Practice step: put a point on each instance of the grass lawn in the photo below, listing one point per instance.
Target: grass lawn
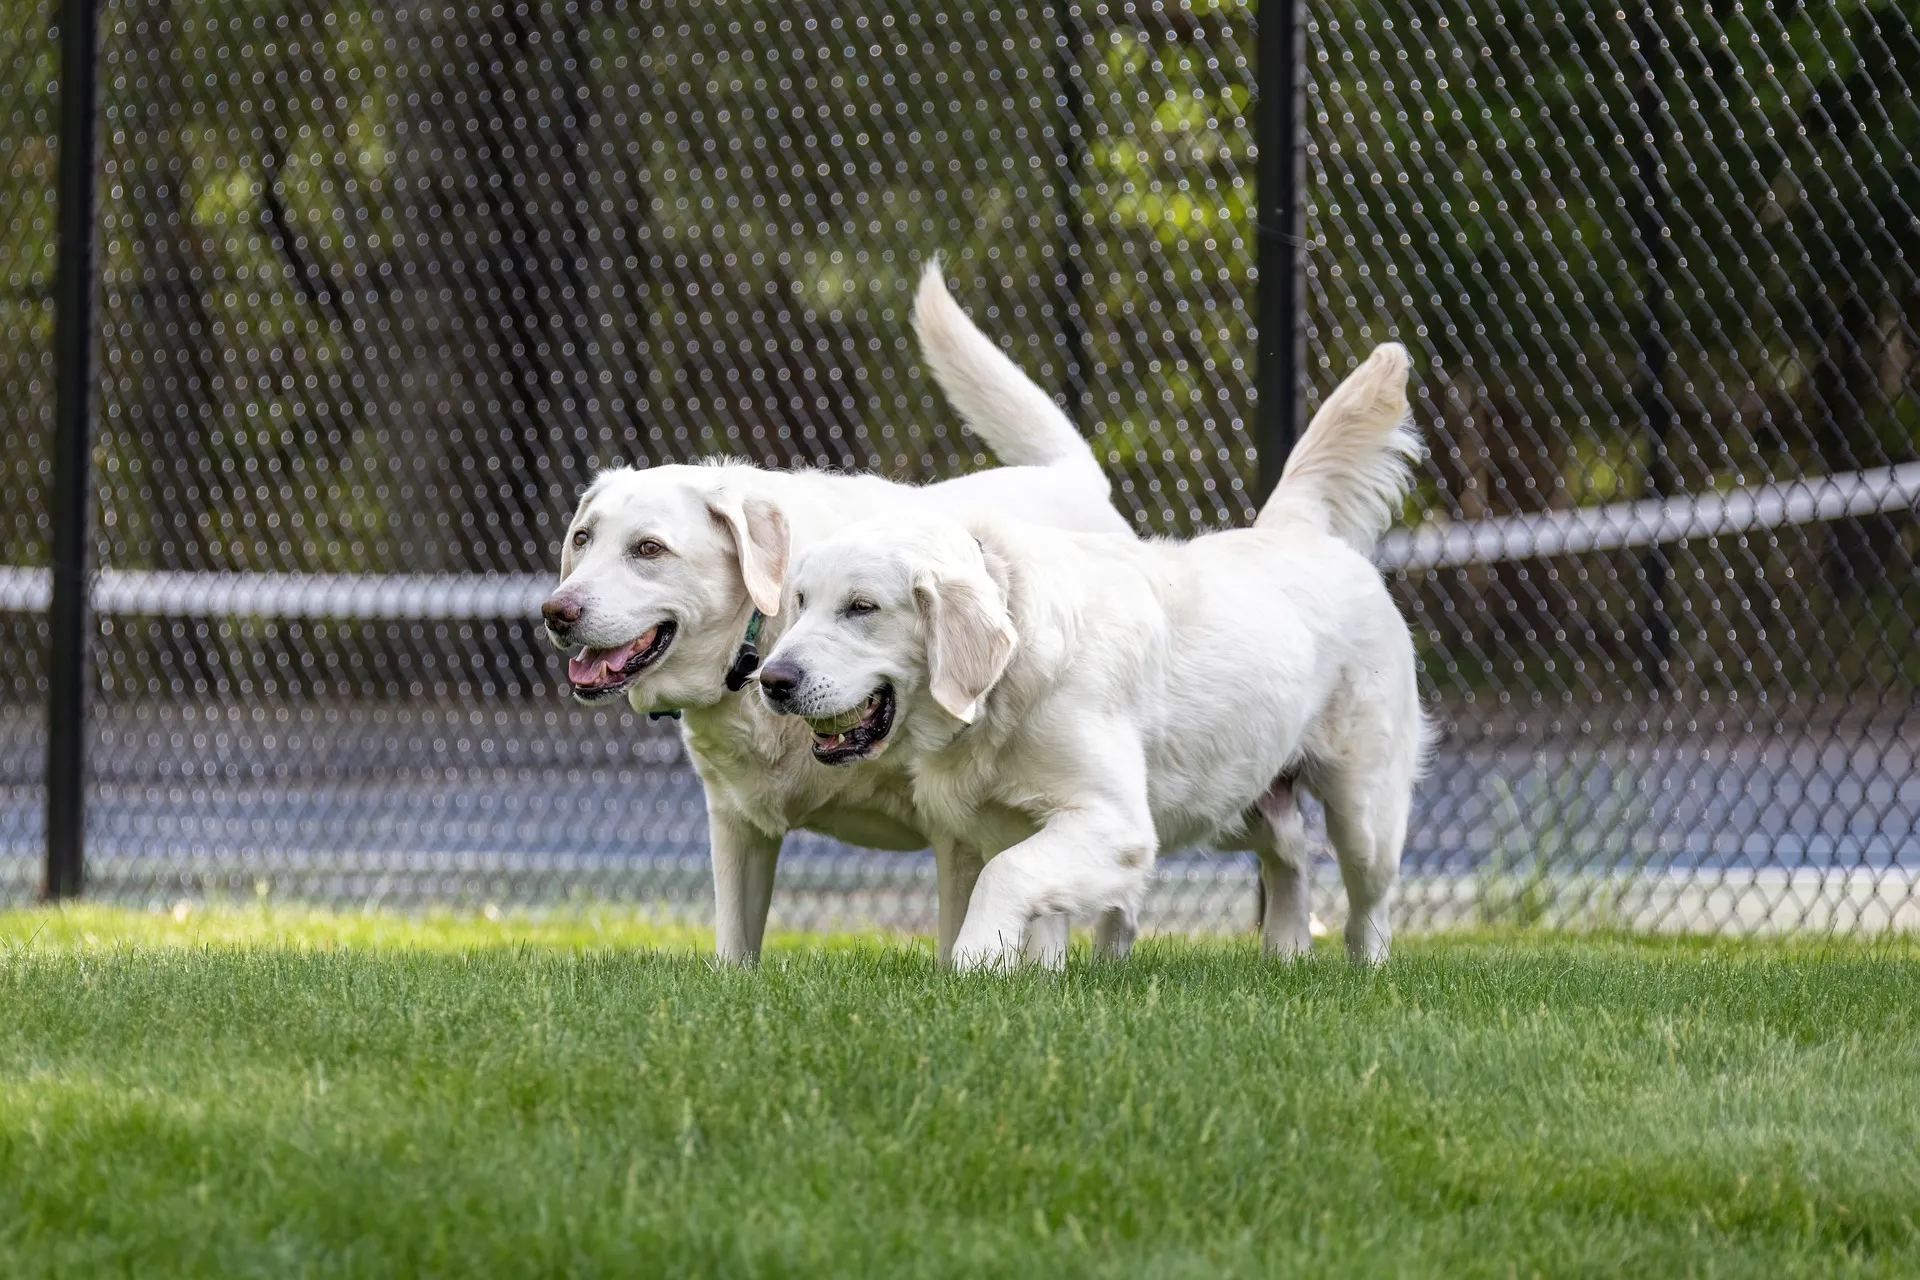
(252, 1092)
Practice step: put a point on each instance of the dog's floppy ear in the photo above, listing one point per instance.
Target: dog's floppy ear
(759, 531)
(970, 637)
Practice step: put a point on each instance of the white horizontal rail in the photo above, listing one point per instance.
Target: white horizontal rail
(1655, 520)
(404, 597)
(379, 597)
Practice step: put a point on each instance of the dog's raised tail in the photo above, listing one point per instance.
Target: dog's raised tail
(995, 398)
(1350, 471)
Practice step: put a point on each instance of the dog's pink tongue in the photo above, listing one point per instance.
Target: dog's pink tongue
(598, 666)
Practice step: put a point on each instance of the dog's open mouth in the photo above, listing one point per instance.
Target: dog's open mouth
(859, 731)
(598, 674)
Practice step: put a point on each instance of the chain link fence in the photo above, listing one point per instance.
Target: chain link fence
(380, 287)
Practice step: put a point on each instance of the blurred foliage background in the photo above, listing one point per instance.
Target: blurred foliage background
(380, 286)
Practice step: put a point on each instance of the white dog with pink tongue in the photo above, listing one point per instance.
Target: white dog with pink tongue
(670, 587)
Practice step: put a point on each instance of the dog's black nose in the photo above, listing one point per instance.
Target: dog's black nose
(778, 680)
(561, 613)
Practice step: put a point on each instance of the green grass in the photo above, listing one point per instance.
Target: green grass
(284, 1093)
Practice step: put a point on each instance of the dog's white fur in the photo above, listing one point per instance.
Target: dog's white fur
(1071, 704)
(724, 535)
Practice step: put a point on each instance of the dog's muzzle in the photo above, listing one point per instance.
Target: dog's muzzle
(858, 733)
(599, 674)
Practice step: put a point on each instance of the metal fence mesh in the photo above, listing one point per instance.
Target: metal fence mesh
(381, 286)
(1656, 251)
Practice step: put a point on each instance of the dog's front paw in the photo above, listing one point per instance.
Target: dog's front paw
(986, 953)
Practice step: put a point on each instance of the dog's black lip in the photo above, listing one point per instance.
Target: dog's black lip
(867, 736)
(663, 636)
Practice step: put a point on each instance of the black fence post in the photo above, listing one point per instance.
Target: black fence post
(68, 614)
(1280, 230)
(1072, 277)
(1280, 224)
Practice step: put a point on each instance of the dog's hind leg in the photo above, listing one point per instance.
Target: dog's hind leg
(1280, 842)
(1367, 824)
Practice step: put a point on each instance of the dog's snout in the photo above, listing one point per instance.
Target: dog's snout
(778, 680)
(561, 613)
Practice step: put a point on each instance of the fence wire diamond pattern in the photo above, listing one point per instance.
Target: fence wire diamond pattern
(380, 287)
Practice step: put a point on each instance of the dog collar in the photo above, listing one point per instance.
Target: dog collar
(746, 660)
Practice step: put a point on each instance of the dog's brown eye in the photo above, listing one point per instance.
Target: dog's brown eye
(856, 608)
(580, 538)
(647, 548)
